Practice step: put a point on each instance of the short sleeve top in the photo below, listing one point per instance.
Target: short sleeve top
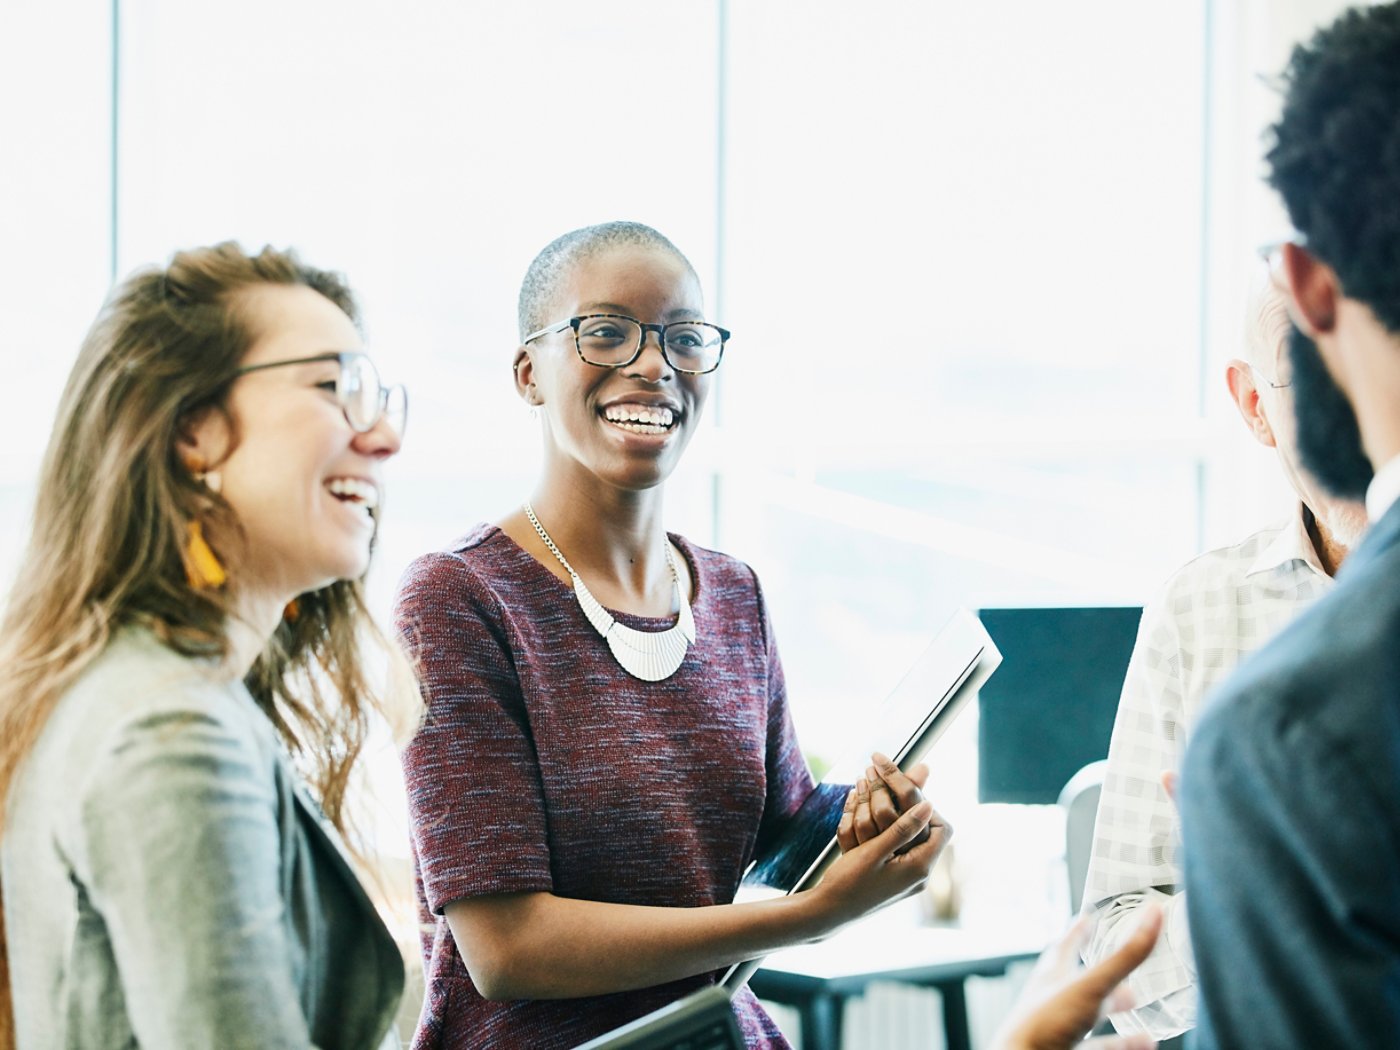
(543, 766)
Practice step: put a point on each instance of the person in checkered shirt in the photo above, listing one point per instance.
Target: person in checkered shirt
(1211, 614)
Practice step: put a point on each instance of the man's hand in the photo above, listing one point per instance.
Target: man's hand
(1170, 783)
(1062, 1001)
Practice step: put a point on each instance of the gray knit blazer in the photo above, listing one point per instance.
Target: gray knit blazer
(168, 883)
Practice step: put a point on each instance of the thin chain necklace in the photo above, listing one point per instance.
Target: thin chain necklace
(648, 655)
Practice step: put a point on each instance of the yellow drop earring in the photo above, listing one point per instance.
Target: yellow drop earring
(202, 567)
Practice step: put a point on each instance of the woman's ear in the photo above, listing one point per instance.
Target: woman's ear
(524, 368)
(202, 439)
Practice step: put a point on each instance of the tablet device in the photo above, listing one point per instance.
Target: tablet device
(935, 689)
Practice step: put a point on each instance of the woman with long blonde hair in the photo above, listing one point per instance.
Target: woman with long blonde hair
(185, 640)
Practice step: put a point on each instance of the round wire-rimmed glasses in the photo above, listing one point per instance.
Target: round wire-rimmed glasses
(1263, 378)
(364, 400)
(615, 341)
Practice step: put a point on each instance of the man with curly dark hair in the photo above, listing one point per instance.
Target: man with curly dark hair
(1291, 783)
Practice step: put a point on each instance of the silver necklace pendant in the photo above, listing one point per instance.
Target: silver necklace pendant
(649, 655)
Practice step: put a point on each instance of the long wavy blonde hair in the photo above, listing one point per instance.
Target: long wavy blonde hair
(110, 536)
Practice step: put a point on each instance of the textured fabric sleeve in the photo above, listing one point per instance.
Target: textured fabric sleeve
(1291, 859)
(474, 792)
(789, 779)
(179, 859)
(1136, 833)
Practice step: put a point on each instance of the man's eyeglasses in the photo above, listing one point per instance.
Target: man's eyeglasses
(363, 398)
(1260, 376)
(615, 341)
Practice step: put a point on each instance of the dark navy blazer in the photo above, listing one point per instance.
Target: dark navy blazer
(1291, 825)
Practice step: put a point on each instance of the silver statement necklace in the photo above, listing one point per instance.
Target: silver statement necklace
(648, 655)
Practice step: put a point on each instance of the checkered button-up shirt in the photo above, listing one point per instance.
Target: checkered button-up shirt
(1210, 615)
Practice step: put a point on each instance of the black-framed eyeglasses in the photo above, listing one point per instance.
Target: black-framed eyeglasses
(615, 341)
(363, 398)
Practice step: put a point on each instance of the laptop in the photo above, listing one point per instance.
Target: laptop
(701, 1021)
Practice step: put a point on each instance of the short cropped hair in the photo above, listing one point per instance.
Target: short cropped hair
(1335, 155)
(556, 261)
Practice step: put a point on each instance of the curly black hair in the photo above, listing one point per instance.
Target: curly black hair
(1335, 156)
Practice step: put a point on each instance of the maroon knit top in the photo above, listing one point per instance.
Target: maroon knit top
(542, 765)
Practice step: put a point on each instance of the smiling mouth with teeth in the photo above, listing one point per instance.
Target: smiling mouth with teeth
(640, 419)
(354, 491)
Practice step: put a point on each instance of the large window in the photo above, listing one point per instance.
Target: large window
(428, 150)
(982, 264)
(963, 255)
(55, 224)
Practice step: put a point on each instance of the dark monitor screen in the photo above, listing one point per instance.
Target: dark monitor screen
(1049, 709)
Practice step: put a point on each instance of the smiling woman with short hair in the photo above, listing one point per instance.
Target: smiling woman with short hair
(608, 739)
